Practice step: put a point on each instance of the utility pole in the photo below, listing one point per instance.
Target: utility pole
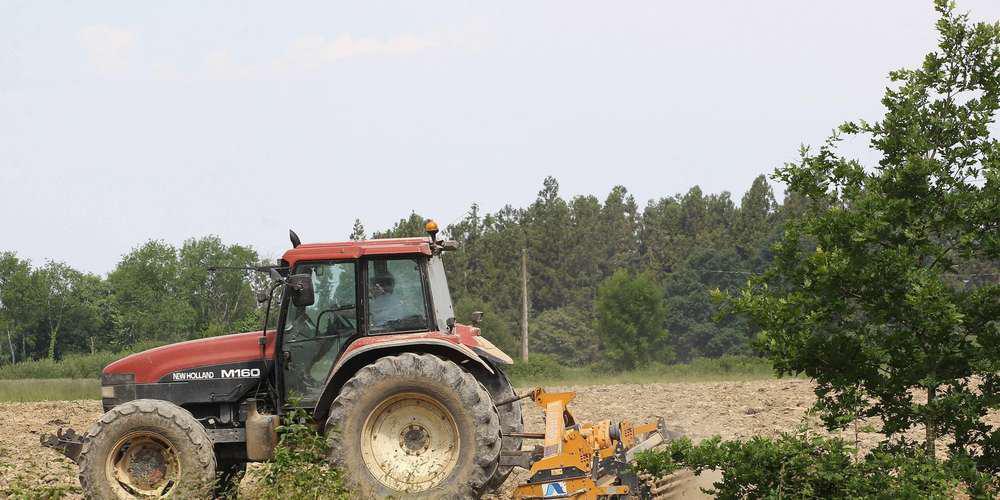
(11, 343)
(524, 304)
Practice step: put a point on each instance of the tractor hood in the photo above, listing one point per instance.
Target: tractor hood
(156, 364)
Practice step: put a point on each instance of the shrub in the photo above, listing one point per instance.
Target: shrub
(630, 317)
(71, 366)
(538, 367)
(299, 469)
(802, 465)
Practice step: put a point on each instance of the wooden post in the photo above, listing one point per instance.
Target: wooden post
(524, 304)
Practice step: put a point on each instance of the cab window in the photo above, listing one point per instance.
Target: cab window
(396, 296)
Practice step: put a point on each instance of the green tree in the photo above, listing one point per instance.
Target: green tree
(220, 299)
(567, 334)
(487, 264)
(405, 228)
(863, 295)
(72, 309)
(630, 318)
(674, 227)
(755, 219)
(16, 292)
(619, 230)
(546, 224)
(147, 296)
(358, 232)
(694, 332)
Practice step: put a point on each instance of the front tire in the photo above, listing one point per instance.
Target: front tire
(414, 426)
(147, 449)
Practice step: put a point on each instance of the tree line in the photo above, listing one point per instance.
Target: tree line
(610, 282)
(665, 258)
(156, 294)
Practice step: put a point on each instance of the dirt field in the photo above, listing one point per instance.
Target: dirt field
(729, 409)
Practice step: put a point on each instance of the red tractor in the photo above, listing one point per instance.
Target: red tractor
(413, 403)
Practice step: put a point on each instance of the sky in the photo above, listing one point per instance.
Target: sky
(124, 121)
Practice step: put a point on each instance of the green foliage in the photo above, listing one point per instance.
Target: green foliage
(156, 293)
(71, 366)
(804, 466)
(630, 317)
(691, 314)
(52, 309)
(405, 228)
(358, 231)
(538, 367)
(21, 488)
(299, 469)
(566, 334)
(147, 295)
(872, 290)
(219, 299)
(723, 366)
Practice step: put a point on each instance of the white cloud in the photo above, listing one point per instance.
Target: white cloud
(313, 51)
(115, 52)
(220, 64)
(108, 48)
(308, 53)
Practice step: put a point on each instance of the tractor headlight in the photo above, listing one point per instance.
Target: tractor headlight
(107, 392)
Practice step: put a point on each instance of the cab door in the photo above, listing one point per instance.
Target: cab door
(314, 335)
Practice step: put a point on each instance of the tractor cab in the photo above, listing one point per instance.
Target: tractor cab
(358, 289)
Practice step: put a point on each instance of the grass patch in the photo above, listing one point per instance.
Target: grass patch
(22, 489)
(543, 371)
(49, 390)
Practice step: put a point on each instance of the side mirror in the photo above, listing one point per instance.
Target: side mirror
(275, 275)
(477, 317)
(301, 286)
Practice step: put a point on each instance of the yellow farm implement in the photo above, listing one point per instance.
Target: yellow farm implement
(582, 461)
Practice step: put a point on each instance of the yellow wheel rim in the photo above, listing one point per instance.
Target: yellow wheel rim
(142, 464)
(410, 442)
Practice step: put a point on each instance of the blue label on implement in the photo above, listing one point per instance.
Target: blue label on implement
(555, 489)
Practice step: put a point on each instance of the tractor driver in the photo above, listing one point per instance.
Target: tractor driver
(386, 306)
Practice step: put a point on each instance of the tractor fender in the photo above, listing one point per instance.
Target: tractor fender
(366, 350)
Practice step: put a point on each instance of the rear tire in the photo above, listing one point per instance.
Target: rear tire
(147, 448)
(414, 426)
(511, 420)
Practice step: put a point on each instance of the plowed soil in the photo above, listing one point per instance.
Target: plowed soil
(699, 410)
